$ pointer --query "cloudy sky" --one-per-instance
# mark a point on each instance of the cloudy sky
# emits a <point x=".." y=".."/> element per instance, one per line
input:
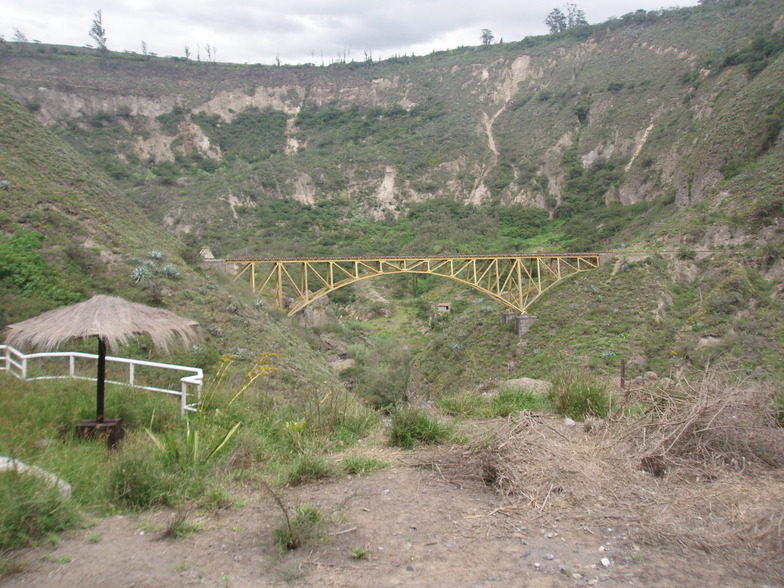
<point x="294" y="31"/>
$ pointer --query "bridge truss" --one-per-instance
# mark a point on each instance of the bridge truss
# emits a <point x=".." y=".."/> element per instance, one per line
<point x="514" y="280"/>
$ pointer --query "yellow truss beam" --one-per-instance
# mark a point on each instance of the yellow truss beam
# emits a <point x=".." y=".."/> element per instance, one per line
<point x="516" y="281"/>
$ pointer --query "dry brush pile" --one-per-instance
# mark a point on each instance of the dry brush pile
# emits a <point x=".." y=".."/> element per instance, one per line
<point x="696" y="466"/>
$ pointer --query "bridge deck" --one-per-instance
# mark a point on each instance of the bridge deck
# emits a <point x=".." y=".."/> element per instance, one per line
<point x="245" y="259"/>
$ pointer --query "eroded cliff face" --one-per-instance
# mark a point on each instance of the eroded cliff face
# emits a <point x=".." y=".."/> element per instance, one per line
<point x="626" y="115"/>
<point x="486" y="99"/>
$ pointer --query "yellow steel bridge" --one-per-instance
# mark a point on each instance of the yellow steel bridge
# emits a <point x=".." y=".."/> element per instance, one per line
<point x="514" y="280"/>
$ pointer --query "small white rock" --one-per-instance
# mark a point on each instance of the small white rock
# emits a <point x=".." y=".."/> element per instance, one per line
<point x="605" y="562"/>
<point x="569" y="422"/>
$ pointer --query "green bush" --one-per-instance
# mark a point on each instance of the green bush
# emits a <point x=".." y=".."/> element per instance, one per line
<point x="30" y="509"/>
<point x="411" y="425"/>
<point x="382" y="371"/>
<point x="579" y="394"/>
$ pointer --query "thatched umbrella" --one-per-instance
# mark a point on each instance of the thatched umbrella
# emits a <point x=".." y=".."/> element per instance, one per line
<point x="112" y="320"/>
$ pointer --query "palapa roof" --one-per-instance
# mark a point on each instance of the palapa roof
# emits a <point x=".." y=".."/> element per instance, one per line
<point x="114" y="319"/>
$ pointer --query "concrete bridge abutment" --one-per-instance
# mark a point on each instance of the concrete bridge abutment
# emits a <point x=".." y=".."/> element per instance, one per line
<point x="520" y="322"/>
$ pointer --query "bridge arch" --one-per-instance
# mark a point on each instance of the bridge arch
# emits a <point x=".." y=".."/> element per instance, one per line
<point x="514" y="280"/>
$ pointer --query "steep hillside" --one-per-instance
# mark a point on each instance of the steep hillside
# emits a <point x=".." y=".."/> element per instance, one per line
<point x="673" y="315"/>
<point x="67" y="233"/>
<point x="658" y="132"/>
<point x="65" y="229"/>
<point x="647" y="106"/>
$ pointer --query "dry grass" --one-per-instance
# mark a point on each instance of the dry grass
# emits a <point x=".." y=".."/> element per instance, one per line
<point x="708" y="428"/>
<point x="699" y="470"/>
<point x="111" y="318"/>
<point x="543" y="462"/>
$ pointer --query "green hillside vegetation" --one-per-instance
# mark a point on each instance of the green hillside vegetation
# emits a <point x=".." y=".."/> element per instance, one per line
<point x="630" y="110"/>
<point x="68" y="233"/>
<point x="61" y="221"/>
<point x="657" y="131"/>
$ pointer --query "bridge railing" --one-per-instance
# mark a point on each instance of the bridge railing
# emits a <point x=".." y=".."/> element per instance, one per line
<point x="134" y="373"/>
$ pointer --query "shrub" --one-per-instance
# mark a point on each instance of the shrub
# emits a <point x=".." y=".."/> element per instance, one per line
<point x="411" y="425"/>
<point x="304" y="527"/>
<point x="578" y="395"/>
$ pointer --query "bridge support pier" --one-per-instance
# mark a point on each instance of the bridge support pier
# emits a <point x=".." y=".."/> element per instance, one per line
<point x="522" y="322"/>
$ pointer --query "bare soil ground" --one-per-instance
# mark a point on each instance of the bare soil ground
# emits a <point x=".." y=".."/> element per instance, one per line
<point x="431" y="520"/>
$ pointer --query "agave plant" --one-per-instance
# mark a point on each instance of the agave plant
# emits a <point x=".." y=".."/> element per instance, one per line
<point x="141" y="274"/>
<point x="194" y="449"/>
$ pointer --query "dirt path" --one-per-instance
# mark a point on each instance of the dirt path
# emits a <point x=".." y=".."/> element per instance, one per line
<point x="420" y="526"/>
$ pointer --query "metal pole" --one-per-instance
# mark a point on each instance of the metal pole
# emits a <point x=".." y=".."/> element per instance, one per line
<point x="101" y="378"/>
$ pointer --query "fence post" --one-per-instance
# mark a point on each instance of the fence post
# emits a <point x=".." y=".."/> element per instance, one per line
<point x="183" y="397"/>
<point x="623" y="374"/>
<point x="131" y="373"/>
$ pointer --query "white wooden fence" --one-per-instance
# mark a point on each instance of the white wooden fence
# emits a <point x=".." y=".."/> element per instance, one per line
<point x="27" y="367"/>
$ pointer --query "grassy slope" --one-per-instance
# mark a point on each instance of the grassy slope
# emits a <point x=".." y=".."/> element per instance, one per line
<point x="93" y="236"/>
<point x="658" y="313"/>
<point x="88" y="225"/>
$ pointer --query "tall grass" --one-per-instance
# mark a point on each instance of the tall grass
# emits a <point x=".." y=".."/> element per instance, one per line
<point x="412" y="425"/>
<point x="579" y="394"/>
<point x="31" y="510"/>
<point x="508" y="400"/>
<point x="244" y="430"/>
<point x="778" y="408"/>
<point x="38" y="426"/>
